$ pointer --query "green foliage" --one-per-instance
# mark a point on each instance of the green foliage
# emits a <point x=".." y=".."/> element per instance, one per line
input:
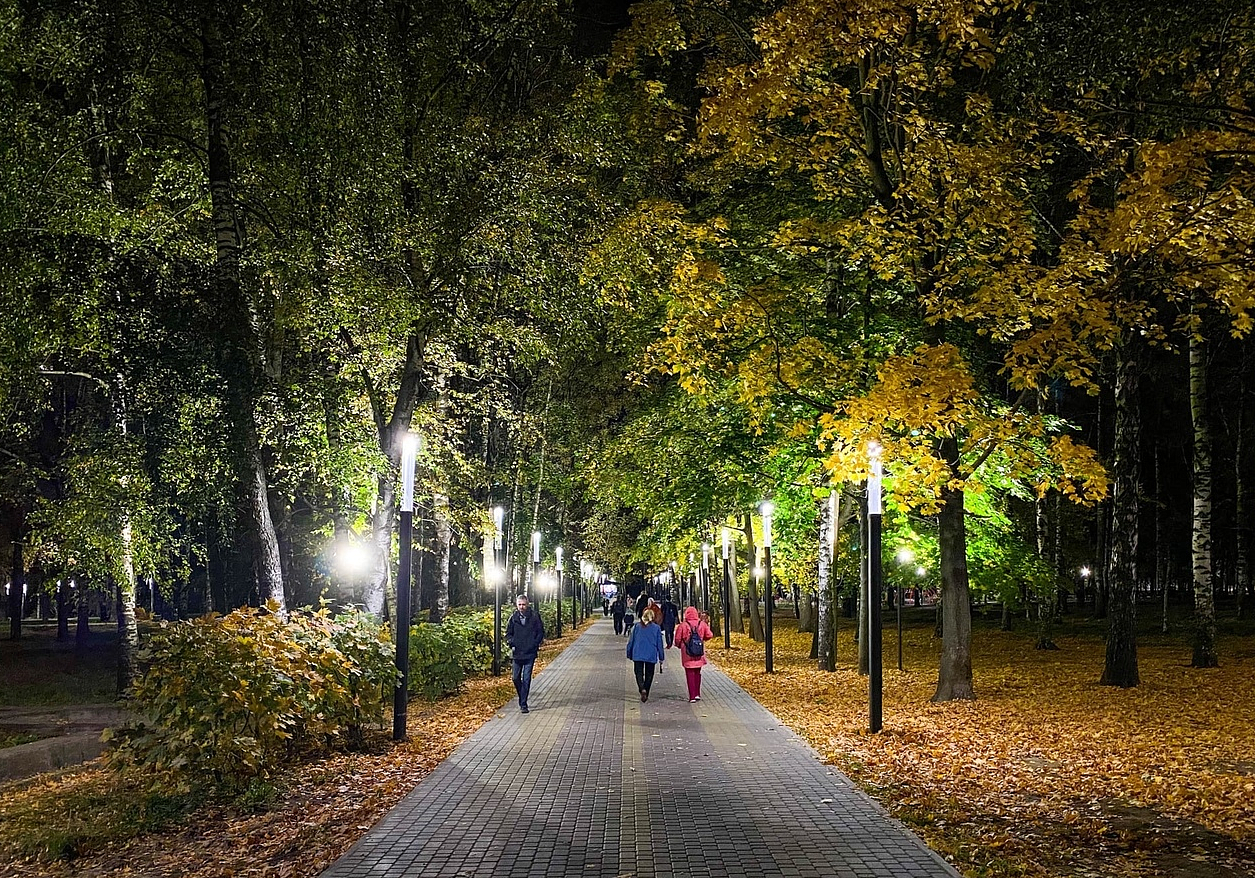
<point x="226" y="699"/>
<point x="443" y="655"/>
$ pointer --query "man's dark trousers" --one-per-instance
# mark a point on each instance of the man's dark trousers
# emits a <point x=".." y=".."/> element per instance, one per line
<point x="523" y="679"/>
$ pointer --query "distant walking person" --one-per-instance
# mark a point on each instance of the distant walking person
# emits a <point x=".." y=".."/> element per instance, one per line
<point x="645" y="649"/>
<point x="690" y="639"/>
<point x="616" y="610"/>
<point x="524" y="633"/>
<point x="670" y="615"/>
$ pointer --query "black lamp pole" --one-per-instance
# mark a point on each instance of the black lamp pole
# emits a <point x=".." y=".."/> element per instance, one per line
<point x="400" y="700"/>
<point x="770" y="596"/>
<point x="727" y="594"/>
<point x="498" y="574"/>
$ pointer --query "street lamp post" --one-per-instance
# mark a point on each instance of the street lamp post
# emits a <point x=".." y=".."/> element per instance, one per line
<point x="875" y="675"/>
<point x="535" y="559"/>
<point x="768" y="588"/>
<point x="400" y="700"/>
<point x="498" y="574"/>
<point x="557" y="590"/>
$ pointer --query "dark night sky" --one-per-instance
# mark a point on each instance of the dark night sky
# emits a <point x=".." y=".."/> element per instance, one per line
<point x="597" y="21"/>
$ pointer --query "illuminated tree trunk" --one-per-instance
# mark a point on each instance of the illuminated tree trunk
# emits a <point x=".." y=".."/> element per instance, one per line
<point x="954" y="679"/>
<point x="1204" y="589"/>
<point x="756" y="617"/>
<point x="827" y="648"/>
<point x="440" y="559"/>
<point x="17" y="584"/>
<point x="241" y="359"/>
<point x="1242" y="573"/>
<point x="1120" y="668"/>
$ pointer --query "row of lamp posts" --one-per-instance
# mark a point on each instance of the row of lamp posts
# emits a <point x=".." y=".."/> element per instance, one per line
<point x="409" y="450"/>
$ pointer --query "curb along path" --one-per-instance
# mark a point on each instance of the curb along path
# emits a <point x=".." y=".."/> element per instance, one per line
<point x="594" y="783"/>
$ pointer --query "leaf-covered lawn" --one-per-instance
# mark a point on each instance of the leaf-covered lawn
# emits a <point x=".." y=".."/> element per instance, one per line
<point x="320" y="809"/>
<point x="1048" y="773"/>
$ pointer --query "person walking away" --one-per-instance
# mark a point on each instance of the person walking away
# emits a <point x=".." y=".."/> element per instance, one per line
<point x="670" y="616"/>
<point x="524" y="633"/>
<point x="616" y="610"/>
<point x="690" y="638"/>
<point x="645" y="649"/>
<point x="628" y="619"/>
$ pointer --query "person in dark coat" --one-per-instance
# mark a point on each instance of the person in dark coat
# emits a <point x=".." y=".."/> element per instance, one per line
<point x="525" y="632"/>
<point x="617" y="609"/>
<point x="645" y="649"/>
<point x="670" y="615"/>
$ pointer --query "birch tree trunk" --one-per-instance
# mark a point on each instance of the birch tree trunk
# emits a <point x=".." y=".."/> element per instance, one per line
<point x="17" y="586"/>
<point x="440" y="557"/>
<point x="1242" y="535"/>
<point x="756" y="617"/>
<point x="241" y="357"/>
<point x="828" y="515"/>
<point x="1120" y="667"/>
<point x="1200" y="544"/>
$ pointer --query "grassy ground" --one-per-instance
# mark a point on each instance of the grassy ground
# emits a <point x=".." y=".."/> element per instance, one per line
<point x="40" y="671"/>
<point x="1047" y="773"/>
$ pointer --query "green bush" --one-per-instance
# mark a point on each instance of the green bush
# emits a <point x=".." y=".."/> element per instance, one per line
<point x="443" y="655"/>
<point x="225" y="699"/>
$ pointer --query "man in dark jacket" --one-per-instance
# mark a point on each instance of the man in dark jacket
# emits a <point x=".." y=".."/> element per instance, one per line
<point x="524" y="633"/>
<point x="670" y="616"/>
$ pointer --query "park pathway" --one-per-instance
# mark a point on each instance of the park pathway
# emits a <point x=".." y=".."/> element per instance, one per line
<point x="594" y="783"/>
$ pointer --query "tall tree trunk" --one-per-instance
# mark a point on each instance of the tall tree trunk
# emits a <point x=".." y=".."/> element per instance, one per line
<point x="828" y="515"/>
<point x="82" y="631"/>
<point x="440" y="557"/>
<point x="1120" y="668"/>
<point x="17" y="586"/>
<point x="757" y="634"/>
<point x="391" y="427"/>
<point x="1242" y="530"/>
<point x="954" y="679"/>
<point x="735" y="619"/>
<point x="1102" y="532"/>
<point x="1204" y="588"/>
<point x="128" y="628"/>
<point x="1161" y="535"/>
<point x="241" y="359"/>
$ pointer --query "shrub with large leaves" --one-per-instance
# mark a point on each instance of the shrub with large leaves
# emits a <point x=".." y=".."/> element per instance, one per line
<point x="225" y="699"/>
<point x="443" y="655"/>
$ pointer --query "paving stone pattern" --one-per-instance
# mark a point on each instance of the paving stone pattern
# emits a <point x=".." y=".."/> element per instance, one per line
<point x="594" y="783"/>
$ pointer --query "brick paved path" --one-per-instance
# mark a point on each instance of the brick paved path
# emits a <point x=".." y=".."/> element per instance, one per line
<point x="594" y="783"/>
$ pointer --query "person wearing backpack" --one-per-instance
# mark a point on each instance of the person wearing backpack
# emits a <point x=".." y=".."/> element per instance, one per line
<point x="645" y="649"/>
<point x="690" y="639"/>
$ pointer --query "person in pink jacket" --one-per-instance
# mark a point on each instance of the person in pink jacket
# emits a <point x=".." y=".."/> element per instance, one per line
<point x="685" y="643"/>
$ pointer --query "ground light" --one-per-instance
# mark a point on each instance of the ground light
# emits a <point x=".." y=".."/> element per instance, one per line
<point x="409" y="453"/>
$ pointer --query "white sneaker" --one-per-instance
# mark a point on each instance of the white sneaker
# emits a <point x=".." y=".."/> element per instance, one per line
<point x="698" y="698"/>
<point x="692" y="700"/>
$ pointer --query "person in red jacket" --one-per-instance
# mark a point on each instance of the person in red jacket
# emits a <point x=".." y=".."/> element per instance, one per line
<point x="692" y="624"/>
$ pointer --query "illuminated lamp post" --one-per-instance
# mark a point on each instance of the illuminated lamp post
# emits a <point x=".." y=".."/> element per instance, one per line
<point x="727" y="589"/>
<point x="409" y="453"/>
<point x="557" y="591"/>
<point x="769" y="590"/>
<point x="498" y="574"/>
